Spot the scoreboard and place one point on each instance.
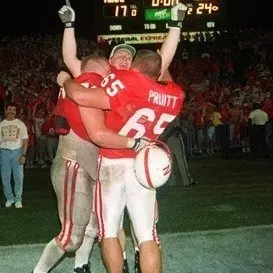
(132, 19)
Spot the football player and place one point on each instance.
(120, 58)
(74, 171)
(138, 107)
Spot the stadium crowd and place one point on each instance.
(227, 72)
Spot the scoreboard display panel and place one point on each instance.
(121, 17)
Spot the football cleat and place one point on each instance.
(137, 263)
(125, 267)
(84, 269)
(78, 270)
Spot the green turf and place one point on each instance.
(230, 193)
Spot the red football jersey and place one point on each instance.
(140, 107)
(70, 110)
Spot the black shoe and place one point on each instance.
(84, 269)
(137, 263)
(125, 267)
(78, 270)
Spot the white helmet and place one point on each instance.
(153, 165)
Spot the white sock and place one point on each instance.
(50, 256)
(83, 253)
(124, 255)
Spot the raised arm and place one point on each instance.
(69, 45)
(169, 46)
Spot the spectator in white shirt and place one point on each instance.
(258, 120)
(13, 143)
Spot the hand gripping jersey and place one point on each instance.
(140, 107)
(70, 110)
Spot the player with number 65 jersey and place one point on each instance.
(142, 112)
(138, 107)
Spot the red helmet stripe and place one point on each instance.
(146, 167)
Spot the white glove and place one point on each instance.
(138, 143)
(67, 15)
(178, 12)
(62, 77)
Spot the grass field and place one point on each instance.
(223, 224)
(230, 193)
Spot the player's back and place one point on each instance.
(70, 110)
(140, 107)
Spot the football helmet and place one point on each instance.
(153, 165)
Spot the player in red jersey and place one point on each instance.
(140, 107)
(74, 171)
(121, 58)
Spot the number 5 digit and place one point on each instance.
(115, 87)
(162, 123)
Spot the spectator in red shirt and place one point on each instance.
(224, 111)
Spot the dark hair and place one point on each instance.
(10, 104)
(148, 62)
(256, 105)
(217, 105)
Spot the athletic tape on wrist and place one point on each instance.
(176, 24)
(69, 25)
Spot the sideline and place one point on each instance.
(236, 250)
(169, 235)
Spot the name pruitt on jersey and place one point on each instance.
(162, 99)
